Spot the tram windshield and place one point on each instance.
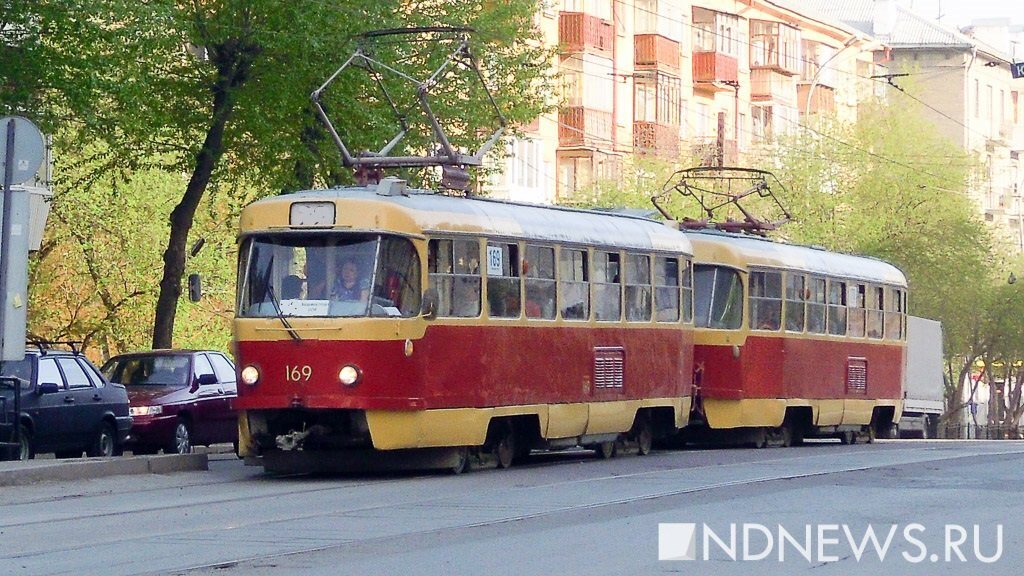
(328, 275)
(718, 297)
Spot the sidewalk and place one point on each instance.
(17, 473)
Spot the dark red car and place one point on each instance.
(178, 398)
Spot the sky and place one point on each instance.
(960, 12)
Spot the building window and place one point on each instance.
(761, 123)
(774, 45)
(715, 32)
(657, 98)
(587, 81)
(645, 16)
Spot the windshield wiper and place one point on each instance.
(280, 315)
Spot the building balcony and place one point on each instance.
(714, 71)
(822, 100)
(579, 126)
(768, 84)
(707, 152)
(657, 139)
(655, 51)
(578, 31)
(1011, 135)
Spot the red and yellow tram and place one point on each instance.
(793, 341)
(384, 321)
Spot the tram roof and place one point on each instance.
(756, 251)
(438, 213)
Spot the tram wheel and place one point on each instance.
(461, 462)
(505, 449)
(761, 438)
(644, 437)
(606, 450)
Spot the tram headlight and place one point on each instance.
(350, 375)
(250, 375)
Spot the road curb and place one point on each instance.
(33, 471)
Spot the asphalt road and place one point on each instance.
(909, 507)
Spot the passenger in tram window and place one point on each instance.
(351, 285)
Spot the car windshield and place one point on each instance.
(19, 368)
(160, 370)
(328, 274)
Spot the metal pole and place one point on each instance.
(5, 230)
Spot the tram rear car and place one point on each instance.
(485, 327)
(794, 342)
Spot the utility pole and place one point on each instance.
(22, 155)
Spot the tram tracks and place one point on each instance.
(252, 517)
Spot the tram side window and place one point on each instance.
(573, 290)
(687, 281)
(816, 306)
(540, 282)
(666, 289)
(717, 297)
(874, 313)
(396, 290)
(836, 307)
(607, 293)
(796, 290)
(638, 288)
(894, 314)
(503, 297)
(454, 270)
(856, 298)
(765, 300)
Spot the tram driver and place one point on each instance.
(351, 285)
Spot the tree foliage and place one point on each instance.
(218, 90)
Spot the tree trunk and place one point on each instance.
(233, 60)
(181, 223)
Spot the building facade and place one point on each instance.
(964, 79)
(689, 82)
(708, 81)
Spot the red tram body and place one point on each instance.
(480, 327)
(796, 340)
(490, 326)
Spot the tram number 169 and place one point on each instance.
(298, 373)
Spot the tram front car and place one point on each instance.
(329, 295)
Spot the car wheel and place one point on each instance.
(105, 444)
(182, 438)
(26, 451)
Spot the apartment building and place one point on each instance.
(703, 82)
(964, 78)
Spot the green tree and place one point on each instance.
(219, 89)
(93, 280)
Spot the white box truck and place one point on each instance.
(922, 380)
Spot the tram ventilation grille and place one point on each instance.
(857, 376)
(609, 362)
